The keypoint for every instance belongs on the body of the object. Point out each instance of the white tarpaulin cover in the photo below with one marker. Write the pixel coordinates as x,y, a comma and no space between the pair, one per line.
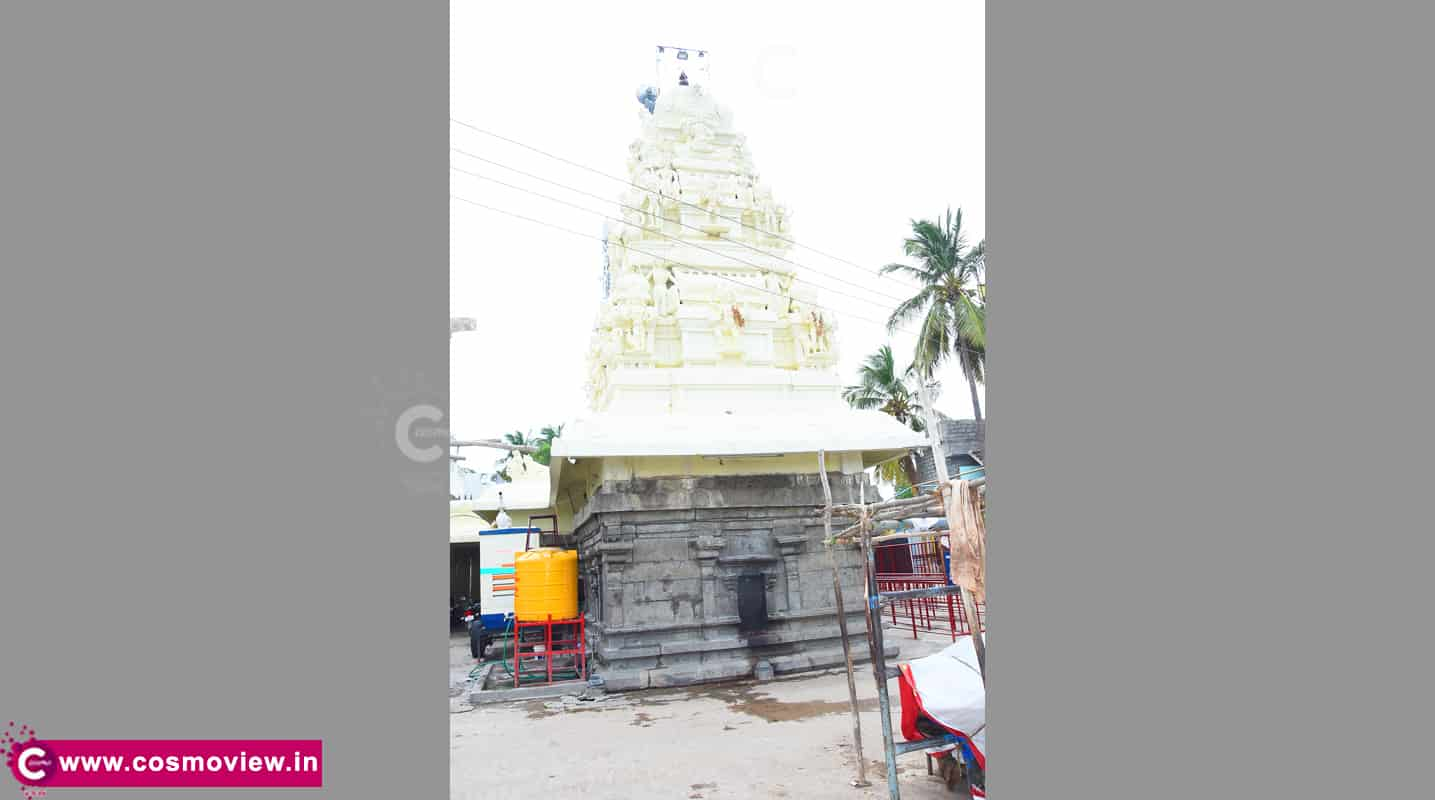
947,688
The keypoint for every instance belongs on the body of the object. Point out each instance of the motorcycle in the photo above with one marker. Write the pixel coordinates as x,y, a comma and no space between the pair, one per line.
478,636
458,607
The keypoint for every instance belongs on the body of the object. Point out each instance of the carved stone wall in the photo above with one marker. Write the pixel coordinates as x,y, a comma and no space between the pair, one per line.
663,558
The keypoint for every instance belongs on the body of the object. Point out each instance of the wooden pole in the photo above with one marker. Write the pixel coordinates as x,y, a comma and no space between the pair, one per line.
969,604
861,780
879,663
934,430
496,444
969,607
939,460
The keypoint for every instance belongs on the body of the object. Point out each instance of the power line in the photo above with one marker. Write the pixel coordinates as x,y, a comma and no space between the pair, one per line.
759,250
663,235
661,258
764,290
649,191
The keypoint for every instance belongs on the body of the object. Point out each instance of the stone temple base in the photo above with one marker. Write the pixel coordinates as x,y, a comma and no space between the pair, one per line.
664,561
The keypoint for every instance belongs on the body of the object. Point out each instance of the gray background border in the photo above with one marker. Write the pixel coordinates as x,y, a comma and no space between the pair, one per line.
226,270
1209,388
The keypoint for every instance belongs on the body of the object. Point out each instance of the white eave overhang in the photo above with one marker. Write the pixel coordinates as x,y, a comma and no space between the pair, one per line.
877,436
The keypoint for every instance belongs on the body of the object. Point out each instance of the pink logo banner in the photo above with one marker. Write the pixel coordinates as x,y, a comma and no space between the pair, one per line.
161,763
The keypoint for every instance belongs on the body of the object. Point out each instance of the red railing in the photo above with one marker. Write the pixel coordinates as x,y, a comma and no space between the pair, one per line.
925,567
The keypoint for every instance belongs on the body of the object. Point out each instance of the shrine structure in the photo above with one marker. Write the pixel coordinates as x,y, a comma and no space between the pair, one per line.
693,480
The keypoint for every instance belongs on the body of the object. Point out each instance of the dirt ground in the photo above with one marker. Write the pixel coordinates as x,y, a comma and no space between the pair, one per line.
785,738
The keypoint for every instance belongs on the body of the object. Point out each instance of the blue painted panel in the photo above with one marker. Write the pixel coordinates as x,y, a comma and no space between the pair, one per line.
495,622
507,531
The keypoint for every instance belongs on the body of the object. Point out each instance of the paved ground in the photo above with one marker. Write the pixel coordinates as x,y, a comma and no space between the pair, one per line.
786,738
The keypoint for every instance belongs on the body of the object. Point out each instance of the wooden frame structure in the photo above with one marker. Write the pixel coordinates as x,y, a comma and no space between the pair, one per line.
863,533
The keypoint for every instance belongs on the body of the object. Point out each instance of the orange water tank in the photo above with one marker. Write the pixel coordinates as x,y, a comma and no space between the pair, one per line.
546,583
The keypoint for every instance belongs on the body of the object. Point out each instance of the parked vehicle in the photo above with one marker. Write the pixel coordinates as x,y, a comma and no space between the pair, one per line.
457,609
482,574
478,634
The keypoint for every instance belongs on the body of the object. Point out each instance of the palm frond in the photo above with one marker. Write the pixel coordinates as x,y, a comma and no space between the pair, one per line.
880,368
863,397
971,323
918,274
911,307
883,388
892,472
934,339
976,259
953,310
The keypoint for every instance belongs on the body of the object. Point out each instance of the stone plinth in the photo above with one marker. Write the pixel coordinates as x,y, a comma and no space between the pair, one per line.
663,559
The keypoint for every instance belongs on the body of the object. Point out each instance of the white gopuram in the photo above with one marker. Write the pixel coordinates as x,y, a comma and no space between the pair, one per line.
707,329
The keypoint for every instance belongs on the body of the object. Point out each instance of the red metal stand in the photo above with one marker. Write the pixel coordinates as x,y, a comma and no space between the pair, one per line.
536,645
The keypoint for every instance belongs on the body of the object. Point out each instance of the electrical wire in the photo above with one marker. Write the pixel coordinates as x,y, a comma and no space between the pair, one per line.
739,222
666,236
883,325
595,171
675,263
739,242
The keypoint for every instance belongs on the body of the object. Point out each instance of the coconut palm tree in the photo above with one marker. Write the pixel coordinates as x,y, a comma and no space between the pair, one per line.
951,299
518,438
881,386
544,443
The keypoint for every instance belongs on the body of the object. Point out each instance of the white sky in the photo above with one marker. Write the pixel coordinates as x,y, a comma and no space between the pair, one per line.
858,122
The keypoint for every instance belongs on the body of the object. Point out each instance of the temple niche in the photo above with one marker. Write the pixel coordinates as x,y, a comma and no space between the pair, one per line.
712,385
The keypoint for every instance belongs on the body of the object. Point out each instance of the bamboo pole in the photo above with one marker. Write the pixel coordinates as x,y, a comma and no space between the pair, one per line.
880,510
861,780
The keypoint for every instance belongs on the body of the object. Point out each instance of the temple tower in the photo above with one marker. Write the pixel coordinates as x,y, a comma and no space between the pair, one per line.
712,382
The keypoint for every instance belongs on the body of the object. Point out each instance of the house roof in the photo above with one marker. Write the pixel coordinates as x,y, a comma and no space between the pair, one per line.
528,491
963,435
959,438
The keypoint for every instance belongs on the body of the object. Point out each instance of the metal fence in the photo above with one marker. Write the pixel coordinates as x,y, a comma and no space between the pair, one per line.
905,565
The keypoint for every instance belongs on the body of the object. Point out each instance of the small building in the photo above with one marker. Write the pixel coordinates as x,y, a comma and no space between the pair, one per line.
464,530
526,500
964,441
479,554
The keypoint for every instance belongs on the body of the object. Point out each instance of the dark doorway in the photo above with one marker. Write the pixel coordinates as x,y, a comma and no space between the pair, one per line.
751,602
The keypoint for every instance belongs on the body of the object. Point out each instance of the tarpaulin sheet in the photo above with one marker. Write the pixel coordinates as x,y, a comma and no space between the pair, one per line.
946,687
